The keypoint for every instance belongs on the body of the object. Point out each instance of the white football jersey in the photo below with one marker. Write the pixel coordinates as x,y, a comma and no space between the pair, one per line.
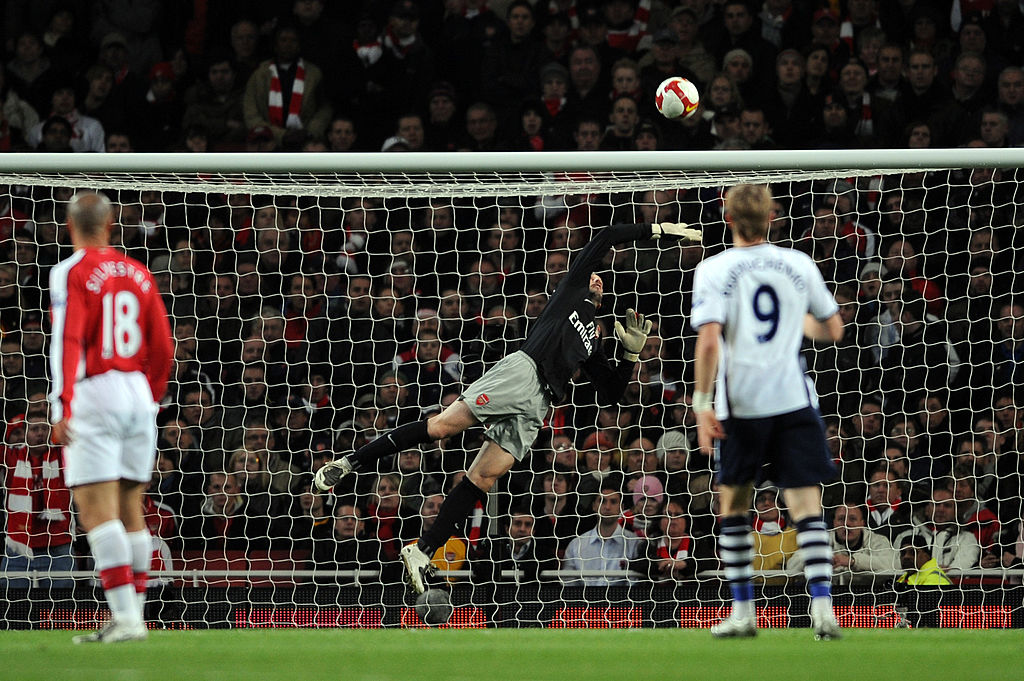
760,295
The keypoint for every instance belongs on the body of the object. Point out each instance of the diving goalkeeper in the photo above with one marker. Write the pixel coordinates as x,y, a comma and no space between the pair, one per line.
512,399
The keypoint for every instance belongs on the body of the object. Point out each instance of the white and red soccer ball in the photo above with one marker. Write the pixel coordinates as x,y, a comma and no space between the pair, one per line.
677,97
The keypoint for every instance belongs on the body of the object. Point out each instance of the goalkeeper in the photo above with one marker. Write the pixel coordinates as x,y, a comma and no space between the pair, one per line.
512,399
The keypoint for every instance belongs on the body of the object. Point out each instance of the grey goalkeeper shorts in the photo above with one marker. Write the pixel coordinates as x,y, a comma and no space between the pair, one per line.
511,402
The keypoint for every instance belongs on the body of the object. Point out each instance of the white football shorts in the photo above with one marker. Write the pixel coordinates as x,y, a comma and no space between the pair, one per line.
112,430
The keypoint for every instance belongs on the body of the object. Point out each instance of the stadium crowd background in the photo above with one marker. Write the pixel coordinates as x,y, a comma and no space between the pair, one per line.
305,326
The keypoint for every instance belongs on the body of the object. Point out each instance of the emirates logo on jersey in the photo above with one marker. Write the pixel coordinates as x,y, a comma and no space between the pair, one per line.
482,399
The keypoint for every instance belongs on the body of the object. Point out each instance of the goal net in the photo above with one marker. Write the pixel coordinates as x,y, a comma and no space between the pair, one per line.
319,300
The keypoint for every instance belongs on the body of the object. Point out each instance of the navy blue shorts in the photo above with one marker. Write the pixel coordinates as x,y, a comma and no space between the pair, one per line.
788,449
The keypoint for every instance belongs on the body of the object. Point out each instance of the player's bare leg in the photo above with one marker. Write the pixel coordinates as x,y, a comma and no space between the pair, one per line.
812,537
99,512
455,419
491,462
737,550
139,539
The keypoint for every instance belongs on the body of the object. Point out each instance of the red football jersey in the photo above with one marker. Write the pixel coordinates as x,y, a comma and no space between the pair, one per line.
107,316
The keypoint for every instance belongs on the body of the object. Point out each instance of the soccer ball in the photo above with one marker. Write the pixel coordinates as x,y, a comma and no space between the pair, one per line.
677,97
434,607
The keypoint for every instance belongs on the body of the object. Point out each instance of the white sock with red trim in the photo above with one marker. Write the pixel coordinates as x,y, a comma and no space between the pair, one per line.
141,544
113,556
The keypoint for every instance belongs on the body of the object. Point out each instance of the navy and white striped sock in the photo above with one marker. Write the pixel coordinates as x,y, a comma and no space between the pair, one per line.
812,538
736,545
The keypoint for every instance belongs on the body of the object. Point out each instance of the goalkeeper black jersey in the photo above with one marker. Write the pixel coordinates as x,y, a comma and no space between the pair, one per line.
563,338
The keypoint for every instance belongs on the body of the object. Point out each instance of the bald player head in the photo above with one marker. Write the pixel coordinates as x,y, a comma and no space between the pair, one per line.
90,219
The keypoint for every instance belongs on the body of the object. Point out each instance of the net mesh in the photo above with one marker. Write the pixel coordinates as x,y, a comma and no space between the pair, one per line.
312,313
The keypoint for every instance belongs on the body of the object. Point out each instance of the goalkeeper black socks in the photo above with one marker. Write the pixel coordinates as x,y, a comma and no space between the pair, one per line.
398,440
452,515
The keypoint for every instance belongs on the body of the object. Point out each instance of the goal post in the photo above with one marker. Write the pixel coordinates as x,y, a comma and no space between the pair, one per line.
318,300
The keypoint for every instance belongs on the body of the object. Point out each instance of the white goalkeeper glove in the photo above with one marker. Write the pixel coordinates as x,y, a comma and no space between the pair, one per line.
675,230
633,335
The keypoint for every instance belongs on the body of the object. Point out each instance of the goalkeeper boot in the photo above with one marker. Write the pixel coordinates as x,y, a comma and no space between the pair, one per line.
735,626
417,567
115,632
823,619
331,473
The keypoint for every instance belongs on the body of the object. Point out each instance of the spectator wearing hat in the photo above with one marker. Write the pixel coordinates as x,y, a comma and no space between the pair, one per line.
512,62
775,542
216,104
660,62
137,24
86,132
725,127
160,125
395,143
921,569
648,136
130,85
693,57
825,32
739,66
646,501
741,32
284,93
441,126
554,88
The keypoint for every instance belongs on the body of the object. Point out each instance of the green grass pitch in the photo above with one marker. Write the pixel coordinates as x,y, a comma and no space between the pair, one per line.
518,655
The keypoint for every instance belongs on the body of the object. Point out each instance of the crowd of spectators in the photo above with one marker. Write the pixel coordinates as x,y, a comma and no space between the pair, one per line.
405,75
306,326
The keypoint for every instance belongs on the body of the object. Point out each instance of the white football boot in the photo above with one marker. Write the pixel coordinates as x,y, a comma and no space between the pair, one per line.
735,626
417,567
115,632
823,619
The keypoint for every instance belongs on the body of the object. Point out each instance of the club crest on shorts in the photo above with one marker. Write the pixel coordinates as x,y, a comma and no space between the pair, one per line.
482,399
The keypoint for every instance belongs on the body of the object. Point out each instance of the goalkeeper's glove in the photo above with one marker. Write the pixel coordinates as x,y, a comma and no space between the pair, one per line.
633,335
675,230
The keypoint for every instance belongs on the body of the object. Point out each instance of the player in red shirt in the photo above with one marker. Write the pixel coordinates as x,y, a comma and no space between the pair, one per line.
110,358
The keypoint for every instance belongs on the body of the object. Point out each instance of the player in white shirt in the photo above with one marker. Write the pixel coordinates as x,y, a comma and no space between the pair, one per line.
752,306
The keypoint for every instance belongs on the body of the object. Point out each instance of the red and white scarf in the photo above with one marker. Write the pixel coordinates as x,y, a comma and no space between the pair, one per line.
681,552
38,502
276,103
881,515
769,527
